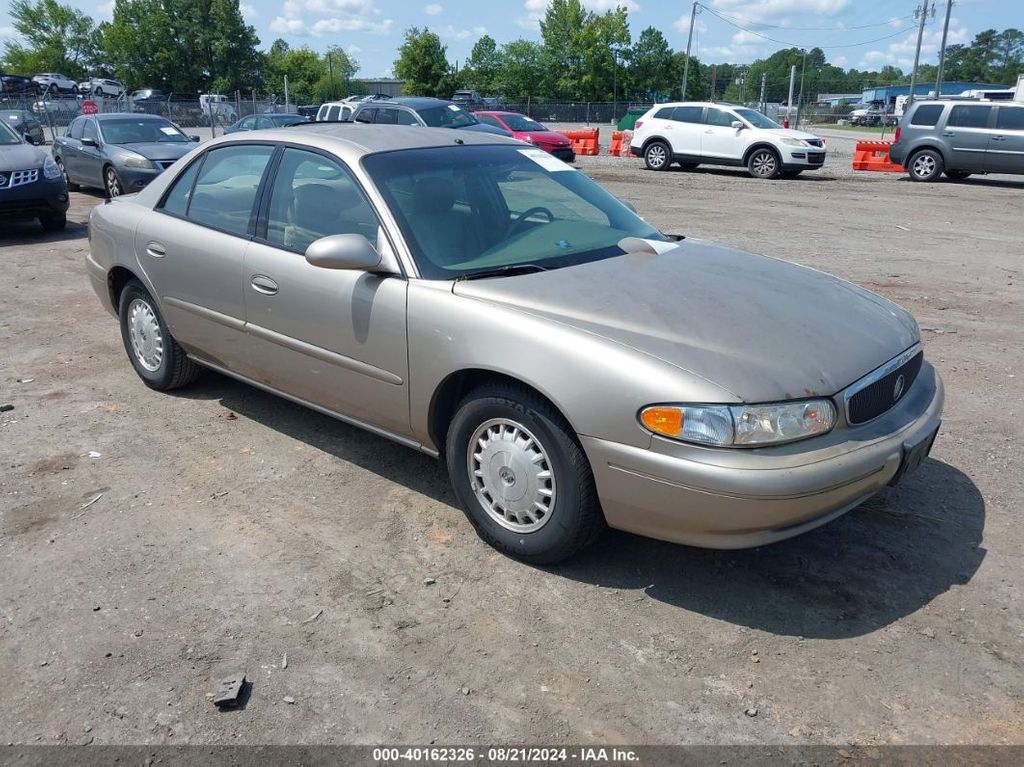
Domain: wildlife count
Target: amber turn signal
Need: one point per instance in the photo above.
(663, 420)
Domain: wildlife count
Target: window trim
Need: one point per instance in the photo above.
(1000, 109)
(988, 121)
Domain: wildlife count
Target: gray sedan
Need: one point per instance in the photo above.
(479, 300)
(119, 153)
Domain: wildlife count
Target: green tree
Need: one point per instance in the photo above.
(698, 81)
(183, 46)
(519, 76)
(422, 63)
(483, 65)
(564, 31)
(336, 79)
(58, 38)
(304, 68)
(650, 65)
(606, 39)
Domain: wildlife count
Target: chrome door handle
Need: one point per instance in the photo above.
(709, 131)
(156, 250)
(948, 133)
(263, 284)
(999, 138)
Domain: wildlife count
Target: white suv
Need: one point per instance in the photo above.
(693, 134)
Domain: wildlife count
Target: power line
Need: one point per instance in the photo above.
(842, 28)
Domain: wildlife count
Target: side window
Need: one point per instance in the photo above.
(720, 118)
(387, 116)
(89, 130)
(665, 113)
(927, 115)
(488, 120)
(263, 122)
(687, 114)
(1010, 118)
(312, 197)
(75, 131)
(226, 187)
(333, 114)
(247, 123)
(407, 118)
(969, 116)
(176, 201)
(365, 115)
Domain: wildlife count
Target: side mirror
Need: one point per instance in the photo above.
(343, 251)
(194, 138)
(737, 125)
(29, 138)
(90, 142)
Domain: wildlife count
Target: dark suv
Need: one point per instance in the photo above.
(16, 85)
(960, 137)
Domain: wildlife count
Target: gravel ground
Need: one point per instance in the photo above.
(150, 544)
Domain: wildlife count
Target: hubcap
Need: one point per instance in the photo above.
(764, 164)
(511, 476)
(144, 333)
(113, 186)
(924, 166)
(656, 156)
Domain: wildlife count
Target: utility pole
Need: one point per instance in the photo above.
(922, 12)
(689, 39)
(792, 81)
(764, 85)
(800, 98)
(286, 109)
(714, 80)
(942, 49)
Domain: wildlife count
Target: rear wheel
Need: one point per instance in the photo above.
(926, 165)
(54, 223)
(657, 156)
(764, 163)
(521, 476)
(957, 175)
(157, 358)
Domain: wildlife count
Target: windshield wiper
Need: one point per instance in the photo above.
(510, 270)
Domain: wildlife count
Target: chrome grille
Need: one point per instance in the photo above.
(882, 389)
(15, 178)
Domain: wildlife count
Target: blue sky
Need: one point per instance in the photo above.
(854, 33)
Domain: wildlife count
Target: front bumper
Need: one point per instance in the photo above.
(563, 153)
(45, 197)
(137, 179)
(802, 158)
(740, 498)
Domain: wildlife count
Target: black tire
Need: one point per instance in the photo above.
(54, 223)
(575, 519)
(764, 163)
(925, 165)
(957, 175)
(175, 369)
(72, 187)
(112, 186)
(657, 156)
(689, 165)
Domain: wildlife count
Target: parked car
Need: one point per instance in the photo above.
(336, 111)
(101, 86)
(25, 123)
(426, 112)
(264, 121)
(31, 184)
(217, 108)
(693, 134)
(17, 86)
(467, 99)
(959, 138)
(56, 82)
(480, 300)
(149, 101)
(57, 110)
(120, 152)
(531, 131)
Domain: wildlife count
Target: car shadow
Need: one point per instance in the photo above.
(979, 180)
(32, 233)
(879, 563)
(807, 175)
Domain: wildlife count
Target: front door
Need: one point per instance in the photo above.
(683, 131)
(1006, 148)
(967, 133)
(334, 338)
(720, 141)
(191, 249)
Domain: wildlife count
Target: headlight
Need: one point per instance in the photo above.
(137, 161)
(50, 168)
(794, 142)
(741, 425)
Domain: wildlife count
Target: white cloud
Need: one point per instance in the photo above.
(775, 11)
(452, 33)
(340, 16)
(8, 33)
(535, 10)
(433, 9)
(682, 24)
(901, 52)
(248, 11)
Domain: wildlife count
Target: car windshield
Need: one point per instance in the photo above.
(471, 209)
(7, 135)
(129, 131)
(522, 122)
(288, 120)
(447, 116)
(756, 119)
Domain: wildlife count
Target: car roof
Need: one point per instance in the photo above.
(357, 139)
(413, 102)
(132, 115)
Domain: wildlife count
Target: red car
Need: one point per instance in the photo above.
(525, 129)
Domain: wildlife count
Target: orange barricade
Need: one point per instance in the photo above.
(620, 143)
(874, 155)
(583, 141)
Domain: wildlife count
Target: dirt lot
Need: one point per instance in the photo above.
(232, 529)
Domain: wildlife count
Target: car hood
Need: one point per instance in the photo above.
(549, 137)
(158, 150)
(790, 133)
(763, 329)
(481, 128)
(20, 157)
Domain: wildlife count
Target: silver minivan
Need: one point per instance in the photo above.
(958, 138)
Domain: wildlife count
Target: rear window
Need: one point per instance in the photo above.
(687, 114)
(1010, 118)
(965, 116)
(927, 115)
(665, 113)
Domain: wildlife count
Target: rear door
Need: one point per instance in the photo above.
(684, 131)
(967, 135)
(719, 140)
(1006, 147)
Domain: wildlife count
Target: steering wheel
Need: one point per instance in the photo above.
(521, 218)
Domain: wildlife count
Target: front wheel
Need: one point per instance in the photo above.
(926, 165)
(764, 163)
(157, 358)
(72, 187)
(521, 476)
(111, 183)
(657, 156)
